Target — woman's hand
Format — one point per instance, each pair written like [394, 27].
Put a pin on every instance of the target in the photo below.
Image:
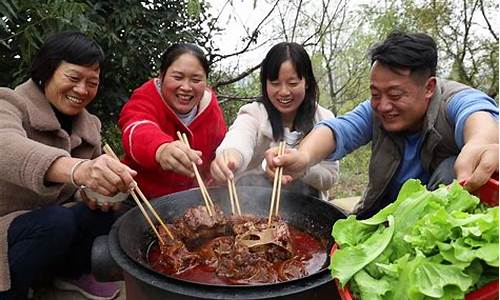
[294, 163]
[93, 204]
[176, 156]
[105, 175]
[224, 165]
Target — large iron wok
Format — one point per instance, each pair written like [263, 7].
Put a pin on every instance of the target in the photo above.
[130, 236]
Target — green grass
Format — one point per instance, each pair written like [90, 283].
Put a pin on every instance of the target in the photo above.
[353, 174]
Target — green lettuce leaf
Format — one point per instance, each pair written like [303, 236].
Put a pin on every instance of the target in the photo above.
[348, 261]
[370, 288]
[437, 245]
[431, 278]
[350, 232]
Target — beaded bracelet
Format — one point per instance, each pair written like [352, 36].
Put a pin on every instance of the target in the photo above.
[72, 172]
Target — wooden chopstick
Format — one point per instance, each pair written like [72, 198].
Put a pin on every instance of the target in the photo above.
[107, 149]
[280, 178]
[275, 195]
[233, 196]
[204, 193]
[153, 211]
[198, 176]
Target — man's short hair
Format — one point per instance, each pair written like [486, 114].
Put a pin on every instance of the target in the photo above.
[416, 52]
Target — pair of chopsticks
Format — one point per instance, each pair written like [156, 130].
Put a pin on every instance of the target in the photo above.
[136, 191]
[233, 196]
[275, 196]
[204, 192]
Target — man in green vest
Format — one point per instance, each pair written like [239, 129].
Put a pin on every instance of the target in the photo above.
[420, 126]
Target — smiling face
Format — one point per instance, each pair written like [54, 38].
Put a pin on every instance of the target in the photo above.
[287, 92]
[72, 87]
[398, 100]
[184, 83]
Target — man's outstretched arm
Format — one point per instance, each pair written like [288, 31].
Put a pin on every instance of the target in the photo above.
[478, 159]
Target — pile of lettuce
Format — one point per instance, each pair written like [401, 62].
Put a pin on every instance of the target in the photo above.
[426, 245]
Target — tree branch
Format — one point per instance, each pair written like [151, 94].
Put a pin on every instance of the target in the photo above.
[296, 19]
[321, 32]
[252, 37]
[237, 78]
[481, 4]
[227, 98]
[283, 26]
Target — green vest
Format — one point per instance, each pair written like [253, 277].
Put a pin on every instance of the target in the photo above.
[388, 147]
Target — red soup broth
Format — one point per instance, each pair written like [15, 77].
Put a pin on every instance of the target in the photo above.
[303, 244]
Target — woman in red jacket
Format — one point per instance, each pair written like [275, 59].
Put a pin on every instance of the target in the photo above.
[178, 100]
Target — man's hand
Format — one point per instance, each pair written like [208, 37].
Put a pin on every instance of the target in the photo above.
[294, 163]
[476, 163]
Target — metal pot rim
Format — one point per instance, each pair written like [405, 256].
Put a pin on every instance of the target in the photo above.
[204, 290]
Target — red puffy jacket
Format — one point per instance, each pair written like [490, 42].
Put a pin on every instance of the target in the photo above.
[147, 122]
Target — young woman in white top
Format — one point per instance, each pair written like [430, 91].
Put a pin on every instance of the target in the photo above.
[287, 111]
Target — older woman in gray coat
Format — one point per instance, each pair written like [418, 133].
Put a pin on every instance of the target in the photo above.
[50, 147]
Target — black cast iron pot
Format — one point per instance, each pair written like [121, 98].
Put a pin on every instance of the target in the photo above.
[130, 236]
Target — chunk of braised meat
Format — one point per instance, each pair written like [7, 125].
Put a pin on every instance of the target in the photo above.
[198, 217]
[164, 235]
[211, 251]
[182, 231]
[292, 268]
[197, 226]
[271, 242]
[244, 223]
[272, 252]
[240, 266]
[174, 256]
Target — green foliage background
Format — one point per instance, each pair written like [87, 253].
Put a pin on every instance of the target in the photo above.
[133, 34]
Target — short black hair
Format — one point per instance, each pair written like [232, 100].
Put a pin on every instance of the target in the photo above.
[173, 52]
[269, 70]
[70, 46]
[416, 52]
